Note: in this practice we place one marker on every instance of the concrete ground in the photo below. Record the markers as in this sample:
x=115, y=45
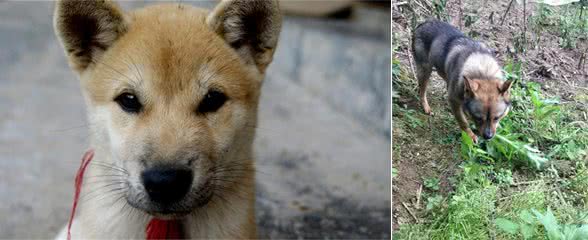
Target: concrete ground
x=323, y=145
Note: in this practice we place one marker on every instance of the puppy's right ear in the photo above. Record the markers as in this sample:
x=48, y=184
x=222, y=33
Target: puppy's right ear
x=86, y=29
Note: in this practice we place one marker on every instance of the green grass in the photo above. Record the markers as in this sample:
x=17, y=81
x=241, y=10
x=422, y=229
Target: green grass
x=535, y=224
x=569, y=21
x=487, y=202
x=467, y=214
x=439, y=7
x=531, y=180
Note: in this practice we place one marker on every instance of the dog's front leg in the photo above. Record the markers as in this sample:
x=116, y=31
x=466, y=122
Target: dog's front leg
x=457, y=110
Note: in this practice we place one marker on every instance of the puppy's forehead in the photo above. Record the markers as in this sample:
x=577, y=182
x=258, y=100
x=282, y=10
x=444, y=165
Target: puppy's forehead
x=174, y=50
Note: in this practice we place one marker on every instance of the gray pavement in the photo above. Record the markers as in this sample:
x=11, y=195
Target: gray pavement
x=323, y=145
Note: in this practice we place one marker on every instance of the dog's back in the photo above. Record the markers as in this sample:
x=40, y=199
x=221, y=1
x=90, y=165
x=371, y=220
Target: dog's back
x=473, y=76
x=440, y=45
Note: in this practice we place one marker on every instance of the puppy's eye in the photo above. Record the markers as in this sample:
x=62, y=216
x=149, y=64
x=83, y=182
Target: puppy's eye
x=212, y=101
x=129, y=103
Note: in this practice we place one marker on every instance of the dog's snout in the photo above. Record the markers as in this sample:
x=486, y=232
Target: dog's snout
x=488, y=134
x=166, y=185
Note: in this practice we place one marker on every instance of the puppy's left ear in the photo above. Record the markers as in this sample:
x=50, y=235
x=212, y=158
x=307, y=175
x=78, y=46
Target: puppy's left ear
x=251, y=27
x=505, y=87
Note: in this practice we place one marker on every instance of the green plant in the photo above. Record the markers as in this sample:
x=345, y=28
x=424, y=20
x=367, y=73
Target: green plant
x=551, y=127
x=540, y=21
x=504, y=176
x=579, y=182
x=470, y=209
x=440, y=9
x=410, y=115
x=432, y=183
x=446, y=139
x=569, y=21
x=396, y=71
x=572, y=25
x=434, y=201
x=513, y=70
x=503, y=148
x=508, y=147
x=470, y=19
x=553, y=230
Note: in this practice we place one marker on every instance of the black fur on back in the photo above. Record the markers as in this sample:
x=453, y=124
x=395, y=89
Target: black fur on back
x=432, y=42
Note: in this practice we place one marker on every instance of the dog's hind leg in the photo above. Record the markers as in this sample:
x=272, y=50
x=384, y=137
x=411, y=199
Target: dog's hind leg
x=423, y=75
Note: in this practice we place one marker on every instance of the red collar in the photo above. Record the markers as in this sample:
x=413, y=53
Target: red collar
x=156, y=229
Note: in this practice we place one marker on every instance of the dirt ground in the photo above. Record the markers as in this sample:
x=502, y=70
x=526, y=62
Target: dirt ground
x=427, y=146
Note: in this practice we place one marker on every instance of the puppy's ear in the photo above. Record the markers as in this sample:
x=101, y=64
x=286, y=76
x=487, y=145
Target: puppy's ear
x=505, y=87
x=250, y=27
x=470, y=86
x=86, y=29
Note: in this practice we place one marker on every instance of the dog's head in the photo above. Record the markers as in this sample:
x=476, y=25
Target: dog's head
x=172, y=93
x=486, y=102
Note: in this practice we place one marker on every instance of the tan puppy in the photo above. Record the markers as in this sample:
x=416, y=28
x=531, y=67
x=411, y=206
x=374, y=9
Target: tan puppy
x=172, y=94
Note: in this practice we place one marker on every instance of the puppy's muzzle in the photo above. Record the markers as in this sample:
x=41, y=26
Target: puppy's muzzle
x=167, y=184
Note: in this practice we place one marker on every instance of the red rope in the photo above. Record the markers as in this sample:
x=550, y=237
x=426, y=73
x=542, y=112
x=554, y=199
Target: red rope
x=78, y=186
x=164, y=229
x=156, y=229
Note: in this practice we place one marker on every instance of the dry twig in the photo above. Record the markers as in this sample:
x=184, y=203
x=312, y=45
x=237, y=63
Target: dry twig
x=422, y=7
x=410, y=212
x=411, y=66
x=506, y=12
x=418, y=202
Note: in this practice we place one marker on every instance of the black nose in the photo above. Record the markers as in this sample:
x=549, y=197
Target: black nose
x=488, y=134
x=166, y=185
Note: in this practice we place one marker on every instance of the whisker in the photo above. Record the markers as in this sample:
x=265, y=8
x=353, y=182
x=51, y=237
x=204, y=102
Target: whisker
x=109, y=166
x=135, y=66
x=102, y=187
x=241, y=170
x=113, y=69
x=70, y=128
x=100, y=190
x=108, y=180
x=104, y=195
x=101, y=176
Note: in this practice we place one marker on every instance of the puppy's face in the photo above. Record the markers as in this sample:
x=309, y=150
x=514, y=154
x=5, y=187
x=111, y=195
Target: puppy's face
x=172, y=94
x=174, y=114
x=486, y=102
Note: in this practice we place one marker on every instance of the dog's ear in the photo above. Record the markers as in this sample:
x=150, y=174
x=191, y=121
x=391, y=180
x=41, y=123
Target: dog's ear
x=250, y=27
x=470, y=86
x=505, y=87
x=87, y=28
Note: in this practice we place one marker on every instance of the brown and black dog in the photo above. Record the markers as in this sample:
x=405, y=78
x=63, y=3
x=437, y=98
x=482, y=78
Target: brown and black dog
x=473, y=76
